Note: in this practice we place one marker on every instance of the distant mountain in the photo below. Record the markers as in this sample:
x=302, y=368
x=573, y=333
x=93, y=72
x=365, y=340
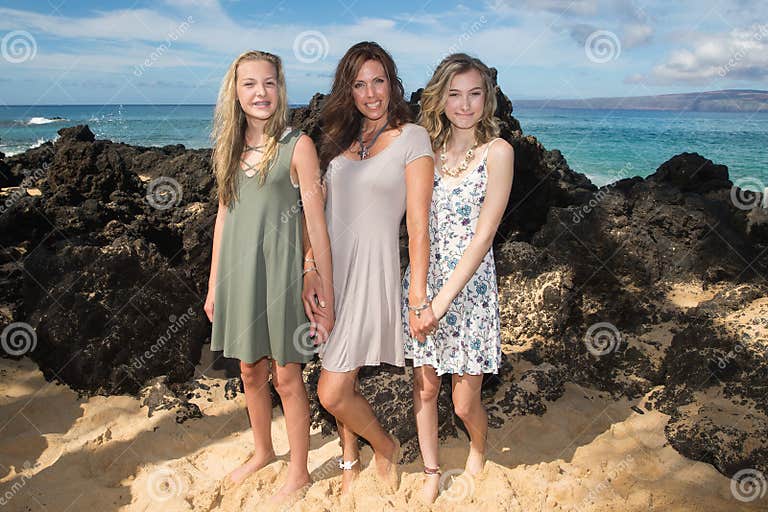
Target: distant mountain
x=733, y=100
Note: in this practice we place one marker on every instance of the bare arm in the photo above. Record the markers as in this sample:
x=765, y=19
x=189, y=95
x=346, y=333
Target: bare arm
x=419, y=178
x=501, y=162
x=317, y=242
x=217, y=233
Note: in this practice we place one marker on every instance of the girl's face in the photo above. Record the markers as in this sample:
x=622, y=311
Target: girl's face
x=370, y=90
x=257, y=88
x=465, y=99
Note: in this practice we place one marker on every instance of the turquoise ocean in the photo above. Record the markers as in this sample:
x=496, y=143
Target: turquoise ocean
x=604, y=145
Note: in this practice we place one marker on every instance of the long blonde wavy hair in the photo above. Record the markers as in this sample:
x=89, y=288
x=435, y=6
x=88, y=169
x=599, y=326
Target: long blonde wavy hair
x=229, y=123
x=433, y=117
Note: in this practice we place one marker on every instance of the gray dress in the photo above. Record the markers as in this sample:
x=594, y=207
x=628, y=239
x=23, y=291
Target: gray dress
x=365, y=204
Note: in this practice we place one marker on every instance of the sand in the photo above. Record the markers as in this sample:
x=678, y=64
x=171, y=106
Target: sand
x=587, y=452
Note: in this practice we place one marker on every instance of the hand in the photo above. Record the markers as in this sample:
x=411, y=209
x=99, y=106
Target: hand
x=313, y=297
x=422, y=326
x=208, y=308
x=325, y=322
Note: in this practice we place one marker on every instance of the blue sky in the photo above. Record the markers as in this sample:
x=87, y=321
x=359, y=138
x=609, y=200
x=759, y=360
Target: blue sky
x=176, y=51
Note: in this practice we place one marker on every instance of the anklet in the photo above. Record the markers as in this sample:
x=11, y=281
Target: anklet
x=347, y=464
x=432, y=471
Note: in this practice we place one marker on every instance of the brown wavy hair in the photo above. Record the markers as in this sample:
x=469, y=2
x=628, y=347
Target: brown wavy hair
x=228, y=134
x=340, y=120
x=433, y=99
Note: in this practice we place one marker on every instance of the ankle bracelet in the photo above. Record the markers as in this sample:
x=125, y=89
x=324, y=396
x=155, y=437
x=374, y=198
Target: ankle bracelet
x=347, y=464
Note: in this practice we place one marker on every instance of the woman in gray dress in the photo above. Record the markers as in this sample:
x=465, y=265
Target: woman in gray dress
x=378, y=167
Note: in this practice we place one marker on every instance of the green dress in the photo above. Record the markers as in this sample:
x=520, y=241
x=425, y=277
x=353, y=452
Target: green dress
x=258, y=310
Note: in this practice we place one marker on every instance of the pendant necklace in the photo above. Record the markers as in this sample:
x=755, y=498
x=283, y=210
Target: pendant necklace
x=364, y=151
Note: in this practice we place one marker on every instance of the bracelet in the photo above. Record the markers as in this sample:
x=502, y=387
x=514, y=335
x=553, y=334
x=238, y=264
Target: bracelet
x=309, y=259
x=308, y=270
x=418, y=309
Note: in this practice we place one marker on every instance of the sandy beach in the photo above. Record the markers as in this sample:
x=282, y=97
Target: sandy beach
x=587, y=452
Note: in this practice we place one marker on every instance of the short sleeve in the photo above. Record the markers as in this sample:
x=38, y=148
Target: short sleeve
x=417, y=143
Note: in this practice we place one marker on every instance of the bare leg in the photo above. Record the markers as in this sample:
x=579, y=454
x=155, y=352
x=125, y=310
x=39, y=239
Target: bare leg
x=338, y=395
x=257, y=398
x=469, y=407
x=290, y=386
x=426, y=387
x=350, y=451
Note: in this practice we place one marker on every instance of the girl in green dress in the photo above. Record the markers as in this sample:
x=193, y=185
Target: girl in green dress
x=266, y=172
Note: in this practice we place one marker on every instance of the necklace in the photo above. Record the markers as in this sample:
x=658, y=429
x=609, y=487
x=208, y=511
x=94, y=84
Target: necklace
x=364, y=151
x=459, y=169
x=250, y=169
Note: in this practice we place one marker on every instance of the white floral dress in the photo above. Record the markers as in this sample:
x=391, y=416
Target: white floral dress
x=468, y=338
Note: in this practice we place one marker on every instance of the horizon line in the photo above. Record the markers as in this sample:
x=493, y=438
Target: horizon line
x=307, y=103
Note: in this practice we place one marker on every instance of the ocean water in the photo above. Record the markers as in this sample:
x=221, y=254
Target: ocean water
x=604, y=145
x=609, y=145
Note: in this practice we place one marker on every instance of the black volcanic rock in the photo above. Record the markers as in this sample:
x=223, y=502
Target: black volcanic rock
x=691, y=172
x=80, y=133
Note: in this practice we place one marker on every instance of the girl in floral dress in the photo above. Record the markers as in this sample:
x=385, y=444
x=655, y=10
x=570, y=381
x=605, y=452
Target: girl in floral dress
x=473, y=179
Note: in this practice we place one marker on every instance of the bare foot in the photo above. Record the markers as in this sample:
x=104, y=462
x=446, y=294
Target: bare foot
x=475, y=462
x=431, y=488
x=348, y=477
x=386, y=465
x=253, y=464
x=291, y=487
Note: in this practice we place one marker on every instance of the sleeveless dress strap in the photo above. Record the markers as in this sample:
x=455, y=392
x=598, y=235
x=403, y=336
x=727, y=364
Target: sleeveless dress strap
x=488, y=147
x=287, y=144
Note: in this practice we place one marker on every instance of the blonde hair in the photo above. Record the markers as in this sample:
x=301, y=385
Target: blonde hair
x=229, y=123
x=433, y=99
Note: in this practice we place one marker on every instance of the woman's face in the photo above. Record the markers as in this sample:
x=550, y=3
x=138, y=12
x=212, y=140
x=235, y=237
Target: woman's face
x=370, y=90
x=257, y=88
x=465, y=99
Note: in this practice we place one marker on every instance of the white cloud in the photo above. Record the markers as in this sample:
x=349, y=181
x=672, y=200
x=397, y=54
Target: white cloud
x=136, y=24
x=741, y=54
x=637, y=34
